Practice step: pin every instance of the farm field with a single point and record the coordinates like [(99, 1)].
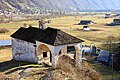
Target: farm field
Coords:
[(98, 33)]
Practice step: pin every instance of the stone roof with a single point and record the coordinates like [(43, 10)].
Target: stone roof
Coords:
[(49, 36), (84, 22)]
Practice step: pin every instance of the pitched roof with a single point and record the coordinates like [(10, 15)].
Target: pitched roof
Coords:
[(84, 22), (49, 36)]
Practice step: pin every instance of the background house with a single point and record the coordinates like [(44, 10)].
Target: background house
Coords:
[(107, 15), (85, 22)]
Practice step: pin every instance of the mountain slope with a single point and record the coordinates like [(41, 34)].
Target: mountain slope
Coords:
[(65, 5)]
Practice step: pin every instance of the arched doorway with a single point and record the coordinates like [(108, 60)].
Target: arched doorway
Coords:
[(44, 54), (71, 51)]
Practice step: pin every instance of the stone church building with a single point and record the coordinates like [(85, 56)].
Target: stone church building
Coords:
[(43, 45)]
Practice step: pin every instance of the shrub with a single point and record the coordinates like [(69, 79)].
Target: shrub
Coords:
[(4, 30), (67, 69)]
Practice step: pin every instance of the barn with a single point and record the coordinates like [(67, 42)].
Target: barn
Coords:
[(116, 21), (38, 45), (85, 22), (107, 15)]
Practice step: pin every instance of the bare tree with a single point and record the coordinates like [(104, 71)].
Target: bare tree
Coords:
[(110, 42), (24, 25), (41, 24)]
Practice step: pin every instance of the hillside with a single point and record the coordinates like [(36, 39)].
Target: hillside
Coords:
[(68, 5)]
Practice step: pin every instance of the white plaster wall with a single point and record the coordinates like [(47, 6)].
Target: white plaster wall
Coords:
[(86, 29), (55, 51), (50, 47), (79, 46), (27, 49)]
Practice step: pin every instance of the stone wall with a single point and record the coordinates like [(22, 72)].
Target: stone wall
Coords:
[(23, 51)]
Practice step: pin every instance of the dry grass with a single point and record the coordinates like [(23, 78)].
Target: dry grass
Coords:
[(5, 57), (13, 26), (67, 24), (3, 30), (105, 72), (5, 54), (9, 69), (69, 71)]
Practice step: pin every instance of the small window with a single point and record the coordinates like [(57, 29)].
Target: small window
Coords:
[(44, 54), (60, 52), (70, 49)]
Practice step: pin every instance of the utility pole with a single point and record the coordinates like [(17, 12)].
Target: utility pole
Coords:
[(112, 66), (110, 43)]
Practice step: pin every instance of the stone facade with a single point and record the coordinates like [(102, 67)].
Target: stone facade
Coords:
[(26, 51), (23, 51)]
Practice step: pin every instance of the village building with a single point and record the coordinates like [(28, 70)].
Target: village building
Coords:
[(107, 15), (38, 45), (117, 15), (85, 22), (86, 28), (116, 21)]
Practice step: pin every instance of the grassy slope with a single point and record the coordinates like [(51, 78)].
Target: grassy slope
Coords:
[(10, 69), (13, 69), (5, 54), (67, 25)]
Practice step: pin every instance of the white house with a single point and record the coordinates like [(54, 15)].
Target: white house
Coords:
[(43, 45), (86, 28)]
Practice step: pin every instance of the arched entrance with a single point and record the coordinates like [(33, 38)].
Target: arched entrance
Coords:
[(71, 51), (44, 54)]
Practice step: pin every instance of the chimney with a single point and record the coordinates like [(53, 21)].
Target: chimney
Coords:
[(42, 24), (25, 25), (30, 25)]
